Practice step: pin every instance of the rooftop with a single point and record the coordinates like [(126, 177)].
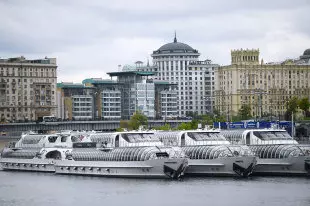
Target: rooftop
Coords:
[(22, 59), (141, 73), (98, 81), (175, 47), (72, 85)]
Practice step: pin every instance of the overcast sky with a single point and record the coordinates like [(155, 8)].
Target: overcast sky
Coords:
[(92, 37)]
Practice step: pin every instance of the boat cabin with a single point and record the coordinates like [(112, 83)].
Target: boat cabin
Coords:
[(192, 138), (259, 136), (124, 139)]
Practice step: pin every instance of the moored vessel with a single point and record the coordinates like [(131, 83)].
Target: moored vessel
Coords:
[(210, 154), (278, 153), (37, 152), (123, 154)]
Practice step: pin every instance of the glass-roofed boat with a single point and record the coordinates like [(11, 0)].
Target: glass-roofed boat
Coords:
[(37, 152), (124, 154), (210, 154), (278, 152)]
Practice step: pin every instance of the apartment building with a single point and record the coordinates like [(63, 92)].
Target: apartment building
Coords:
[(265, 87), (75, 101), (27, 88)]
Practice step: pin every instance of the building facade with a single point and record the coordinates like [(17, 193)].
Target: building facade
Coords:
[(27, 88), (166, 103), (75, 101), (178, 64), (266, 88), (107, 94), (137, 93), (201, 89)]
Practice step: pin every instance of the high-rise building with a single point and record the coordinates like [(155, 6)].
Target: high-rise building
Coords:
[(107, 95), (137, 93), (27, 88), (178, 64), (266, 88), (75, 101)]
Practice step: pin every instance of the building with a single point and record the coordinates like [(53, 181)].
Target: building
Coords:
[(178, 63), (305, 58), (27, 88), (201, 90), (166, 104), (266, 88), (75, 101), (137, 92), (107, 95)]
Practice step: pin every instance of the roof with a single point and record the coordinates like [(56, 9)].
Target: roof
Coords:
[(98, 81), (163, 83), (175, 47), (72, 85), (307, 52), (141, 73)]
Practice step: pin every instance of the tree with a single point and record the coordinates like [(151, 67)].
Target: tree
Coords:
[(165, 127), (292, 105), (245, 112), (185, 126), (304, 104), (219, 118), (137, 120), (120, 129)]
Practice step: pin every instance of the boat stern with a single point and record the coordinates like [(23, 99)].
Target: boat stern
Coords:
[(244, 166), (175, 168)]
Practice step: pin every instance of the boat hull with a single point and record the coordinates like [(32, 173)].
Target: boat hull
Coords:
[(34, 165), (229, 166), (292, 166), (156, 168)]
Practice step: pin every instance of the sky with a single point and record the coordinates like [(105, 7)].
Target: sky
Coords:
[(92, 37)]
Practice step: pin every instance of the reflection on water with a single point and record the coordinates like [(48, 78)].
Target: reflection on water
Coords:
[(40, 189)]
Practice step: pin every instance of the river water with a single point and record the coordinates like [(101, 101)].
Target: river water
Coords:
[(40, 189)]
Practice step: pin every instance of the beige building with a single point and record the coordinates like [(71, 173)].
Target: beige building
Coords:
[(265, 87), (27, 88)]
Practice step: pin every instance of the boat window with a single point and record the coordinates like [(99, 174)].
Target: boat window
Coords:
[(140, 137), (52, 139), (102, 138), (272, 135), (205, 136), (75, 139), (63, 138), (32, 139)]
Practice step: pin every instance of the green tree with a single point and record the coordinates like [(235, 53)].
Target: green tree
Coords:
[(245, 112), (206, 119), (165, 127), (304, 104), (185, 126), (137, 120), (219, 118), (120, 129), (292, 105)]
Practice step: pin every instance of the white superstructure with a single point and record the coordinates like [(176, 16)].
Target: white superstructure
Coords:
[(278, 152), (210, 153)]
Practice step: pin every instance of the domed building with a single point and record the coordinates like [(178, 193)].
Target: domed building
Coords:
[(306, 56), (178, 63)]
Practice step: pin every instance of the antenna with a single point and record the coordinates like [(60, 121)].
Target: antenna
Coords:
[(175, 37)]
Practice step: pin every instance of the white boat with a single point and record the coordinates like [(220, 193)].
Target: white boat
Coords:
[(210, 154), (278, 152), (37, 152), (124, 154)]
